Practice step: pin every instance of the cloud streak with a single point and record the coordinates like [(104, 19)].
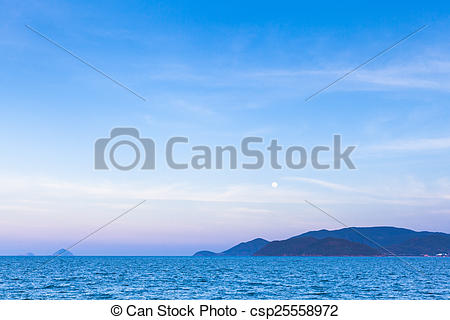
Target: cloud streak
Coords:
[(328, 185), (423, 144)]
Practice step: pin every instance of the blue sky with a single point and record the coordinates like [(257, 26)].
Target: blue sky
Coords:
[(216, 73)]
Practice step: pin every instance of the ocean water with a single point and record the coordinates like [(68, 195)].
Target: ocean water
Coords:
[(224, 278)]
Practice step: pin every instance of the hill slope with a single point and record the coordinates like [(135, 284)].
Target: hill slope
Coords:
[(308, 246), (242, 249), (431, 245), (385, 236)]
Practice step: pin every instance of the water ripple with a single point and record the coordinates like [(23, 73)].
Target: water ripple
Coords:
[(223, 278)]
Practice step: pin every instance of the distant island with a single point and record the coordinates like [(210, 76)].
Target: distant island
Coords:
[(63, 253), (384, 241)]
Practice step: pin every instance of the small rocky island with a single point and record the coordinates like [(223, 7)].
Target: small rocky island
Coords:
[(63, 253)]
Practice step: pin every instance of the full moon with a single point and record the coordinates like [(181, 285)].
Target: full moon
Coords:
[(274, 184)]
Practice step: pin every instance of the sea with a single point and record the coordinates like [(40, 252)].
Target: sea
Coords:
[(224, 278)]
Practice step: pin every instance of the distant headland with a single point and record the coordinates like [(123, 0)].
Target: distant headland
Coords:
[(358, 241)]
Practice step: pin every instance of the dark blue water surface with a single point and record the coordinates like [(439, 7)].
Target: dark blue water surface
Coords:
[(224, 278)]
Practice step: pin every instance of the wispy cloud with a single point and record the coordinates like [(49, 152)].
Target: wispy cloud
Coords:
[(251, 210), (238, 193), (405, 191), (55, 196), (326, 184), (422, 144), (428, 74)]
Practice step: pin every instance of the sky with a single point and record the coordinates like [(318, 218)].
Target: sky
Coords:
[(215, 73)]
